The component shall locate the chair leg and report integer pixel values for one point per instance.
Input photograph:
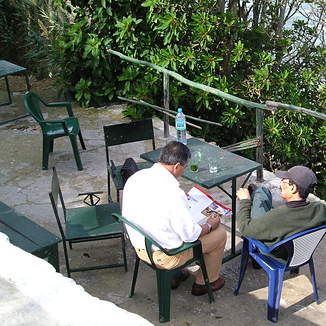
(74, 145)
(51, 146)
(70, 245)
(118, 196)
(274, 293)
(134, 279)
(66, 258)
(124, 252)
(81, 140)
(164, 293)
(109, 186)
(243, 265)
(313, 280)
(46, 152)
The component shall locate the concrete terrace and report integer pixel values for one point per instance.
(25, 187)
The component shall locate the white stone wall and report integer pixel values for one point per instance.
(50, 295)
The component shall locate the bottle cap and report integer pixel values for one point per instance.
(179, 110)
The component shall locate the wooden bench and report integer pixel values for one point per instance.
(28, 235)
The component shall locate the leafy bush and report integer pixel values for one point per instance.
(219, 48)
(28, 30)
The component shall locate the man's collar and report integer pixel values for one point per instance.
(169, 175)
(297, 203)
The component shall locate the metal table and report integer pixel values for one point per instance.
(230, 167)
(6, 69)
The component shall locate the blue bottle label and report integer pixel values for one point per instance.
(180, 125)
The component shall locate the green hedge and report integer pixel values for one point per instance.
(216, 49)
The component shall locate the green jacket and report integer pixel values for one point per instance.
(280, 223)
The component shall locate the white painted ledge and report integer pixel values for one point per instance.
(60, 298)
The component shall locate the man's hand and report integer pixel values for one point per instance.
(243, 193)
(214, 222)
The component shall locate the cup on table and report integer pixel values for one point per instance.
(212, 165)
(195, 161)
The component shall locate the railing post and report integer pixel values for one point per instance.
(166, 95)
(260, 145)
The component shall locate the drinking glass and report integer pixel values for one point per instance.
(212, 165)
(195, 161)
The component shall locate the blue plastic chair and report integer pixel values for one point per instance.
(300, 248)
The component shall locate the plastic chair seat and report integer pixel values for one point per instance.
(116, 173)
(57, 130)
(92, 221)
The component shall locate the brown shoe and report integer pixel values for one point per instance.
(200, 289)
(179, 277)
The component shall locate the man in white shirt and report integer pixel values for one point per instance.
(153, 200)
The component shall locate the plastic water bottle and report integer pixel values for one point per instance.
(180, 126)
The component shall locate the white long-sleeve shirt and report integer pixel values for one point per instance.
(153, 201)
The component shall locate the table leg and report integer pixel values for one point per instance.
(8, 92)
(234, 215)
(27, 81)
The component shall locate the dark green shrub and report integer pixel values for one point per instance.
(213, 47)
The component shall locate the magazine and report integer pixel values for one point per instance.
(203, 206)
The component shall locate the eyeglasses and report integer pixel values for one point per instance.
(287, 182)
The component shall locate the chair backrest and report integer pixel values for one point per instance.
(54, 195)
(123, 133)
(304, 245)
(149, 242)
(32, 106)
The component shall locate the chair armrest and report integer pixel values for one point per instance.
(182, 248)
(149, 242)
(258, 244)
(64, 125)
(265, 249)
(61, 104)
(112, 167)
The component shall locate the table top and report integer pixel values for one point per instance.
(229, 165)
(8, 68)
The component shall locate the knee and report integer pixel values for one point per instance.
(221, 236)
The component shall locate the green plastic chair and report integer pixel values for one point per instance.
(164, 276)
(83, 224)
(123, 133)
(52, 129)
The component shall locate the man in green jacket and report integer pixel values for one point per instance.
(257, 219)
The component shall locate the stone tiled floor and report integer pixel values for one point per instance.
(25, 187)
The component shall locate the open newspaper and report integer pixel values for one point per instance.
(203, 206)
